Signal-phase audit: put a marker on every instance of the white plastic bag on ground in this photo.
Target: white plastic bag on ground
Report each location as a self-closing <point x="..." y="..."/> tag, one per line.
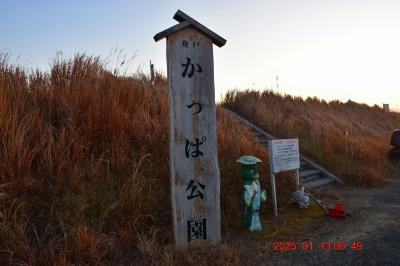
<point x="301" y="198"/>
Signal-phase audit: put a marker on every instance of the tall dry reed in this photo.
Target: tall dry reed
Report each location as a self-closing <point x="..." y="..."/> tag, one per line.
<point x="350" y="139"/>
<point x="84" y="173"/>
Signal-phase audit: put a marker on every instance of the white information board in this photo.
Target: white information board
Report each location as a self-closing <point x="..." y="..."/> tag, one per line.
<point x="285" y="155"/>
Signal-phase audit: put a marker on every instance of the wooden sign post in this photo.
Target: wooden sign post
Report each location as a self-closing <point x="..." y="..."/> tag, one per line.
<point x="195" y="178"/>
<point x="284" y="155"/>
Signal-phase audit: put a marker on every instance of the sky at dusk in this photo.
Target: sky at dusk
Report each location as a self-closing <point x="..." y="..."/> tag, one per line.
<point x="330" y="49"/>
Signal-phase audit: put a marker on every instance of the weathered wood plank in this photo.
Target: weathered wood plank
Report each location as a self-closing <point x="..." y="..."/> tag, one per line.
<point x="192" y="139"/>
<point x="185" y="20"/>
<point x="218" y="40"/>
<point x="175" y="28"/>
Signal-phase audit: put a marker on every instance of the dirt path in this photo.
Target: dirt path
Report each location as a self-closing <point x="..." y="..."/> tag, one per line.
<point x="375" y="222"/>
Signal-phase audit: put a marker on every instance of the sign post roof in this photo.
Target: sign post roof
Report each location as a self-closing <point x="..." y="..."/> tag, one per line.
<point x="186" y="21"/>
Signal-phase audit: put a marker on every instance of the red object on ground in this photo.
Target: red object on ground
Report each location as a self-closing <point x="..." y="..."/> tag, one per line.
<point x="337" y="211"/>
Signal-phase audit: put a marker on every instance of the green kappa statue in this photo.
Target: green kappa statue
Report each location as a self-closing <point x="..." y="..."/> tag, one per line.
<point x="252" y="193"/>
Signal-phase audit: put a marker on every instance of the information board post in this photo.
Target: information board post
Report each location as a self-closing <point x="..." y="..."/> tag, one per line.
<point x="271" y="167"/>
<point x="298" y="178"/>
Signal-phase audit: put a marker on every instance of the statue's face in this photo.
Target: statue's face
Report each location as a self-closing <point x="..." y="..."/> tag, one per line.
<point x="249" y="172"/>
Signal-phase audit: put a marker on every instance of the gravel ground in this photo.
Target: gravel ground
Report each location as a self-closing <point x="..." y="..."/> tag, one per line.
<point x="374" y="221"/>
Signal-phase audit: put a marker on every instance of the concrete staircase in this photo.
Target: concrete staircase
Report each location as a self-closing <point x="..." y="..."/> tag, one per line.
<point x="311" y="174"/>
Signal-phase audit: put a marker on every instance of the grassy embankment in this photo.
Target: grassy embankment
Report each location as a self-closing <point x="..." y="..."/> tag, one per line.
<point x="350" y="139"/>
<point x="84" y="173"/>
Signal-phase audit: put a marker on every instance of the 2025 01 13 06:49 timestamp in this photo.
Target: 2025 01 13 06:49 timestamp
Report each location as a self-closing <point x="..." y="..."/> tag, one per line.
<point x="309" y="246"/>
